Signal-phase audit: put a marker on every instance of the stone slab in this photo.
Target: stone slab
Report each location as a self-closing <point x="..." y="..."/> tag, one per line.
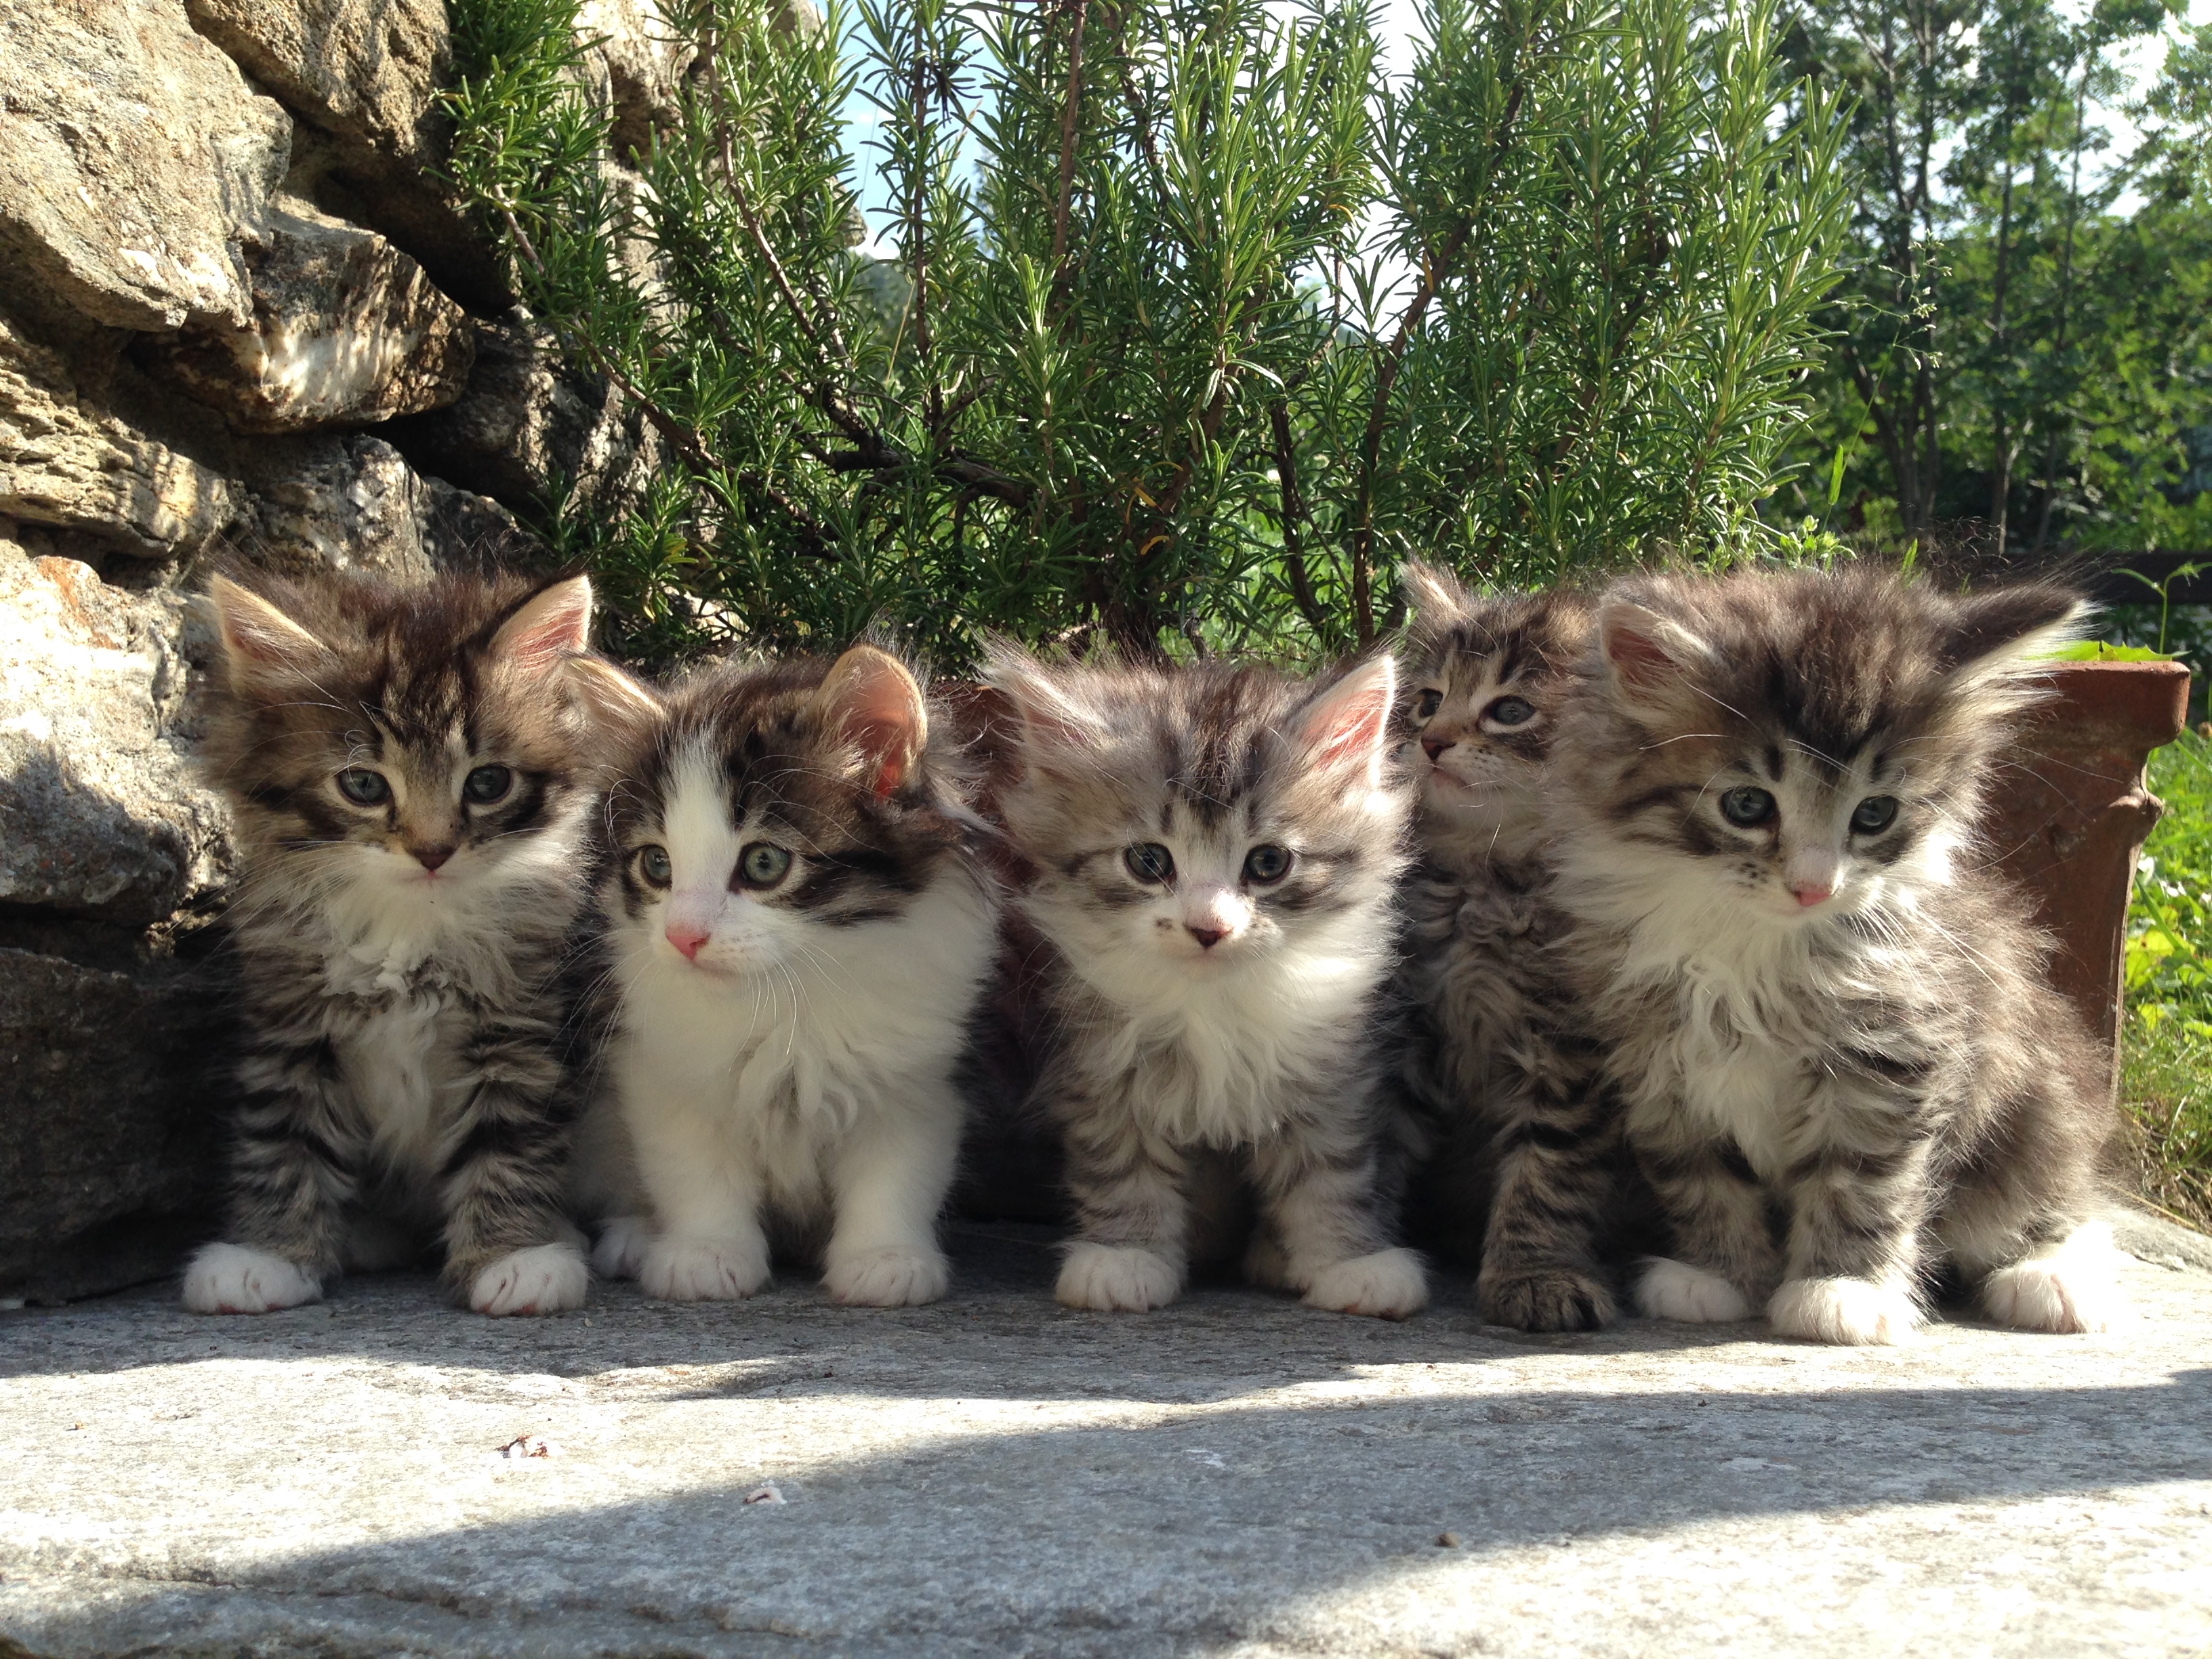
<point x="995" y="1475"/>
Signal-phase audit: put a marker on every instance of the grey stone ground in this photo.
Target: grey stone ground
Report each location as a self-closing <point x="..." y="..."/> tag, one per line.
<point x="998" y="1475"/>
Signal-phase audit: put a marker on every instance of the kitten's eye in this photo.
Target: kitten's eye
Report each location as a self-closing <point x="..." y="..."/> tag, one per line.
<point x="1875" y="814"/>
<point x="1150" y="862"/>
<point x="1426" y="707"/>
<point x="764" y="864"/>
<point x="1747" y="807"/>
<point x="1267" y="863"/>
<point x="1510" y="711"/>
<point x="653" y="868"/>
<point x="364" y="787"/>
<point x="487" y="784"/>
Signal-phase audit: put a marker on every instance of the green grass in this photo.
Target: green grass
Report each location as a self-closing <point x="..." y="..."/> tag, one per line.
<point x="2166" y="1075"/>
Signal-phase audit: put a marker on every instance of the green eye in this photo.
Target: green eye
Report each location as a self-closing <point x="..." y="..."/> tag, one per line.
<point x="1150" y="862"/>
<point x="764" y="864"/>
<point x="1267" y="863"/>
<point x="653" y="866"/>
<point x="364" y="787"/>
<point x="1746" y="808"/>
<point x="1427" y="704"/>
<point x="487" y="784"/>
<point x="1875" y="814"/>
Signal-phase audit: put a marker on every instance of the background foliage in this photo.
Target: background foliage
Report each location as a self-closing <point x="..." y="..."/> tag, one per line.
<point x="2168" y="1036"/>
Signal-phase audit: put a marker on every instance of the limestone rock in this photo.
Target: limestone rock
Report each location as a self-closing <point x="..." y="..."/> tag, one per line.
<point x="133" y="154"/>
<point x="636" y="63"/>
<point x="100" y="812"/>
<point x="346" y="330"/>
<point x="332" y="503"/>
<point x="65" y="464"/>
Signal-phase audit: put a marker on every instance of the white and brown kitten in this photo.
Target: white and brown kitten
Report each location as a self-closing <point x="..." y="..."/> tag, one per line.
<point x="1838" y="1063"/>
<point x="1513" y="1154"/>
<point x="1214" y="852"/>
<point x="791" y="933"/>
<point x="407" y="770"/>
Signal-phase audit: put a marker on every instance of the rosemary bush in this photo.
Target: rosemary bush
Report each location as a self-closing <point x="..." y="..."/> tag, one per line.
<point x="1194" y="324"/>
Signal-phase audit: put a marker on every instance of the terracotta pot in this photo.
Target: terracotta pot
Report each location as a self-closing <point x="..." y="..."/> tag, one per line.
<point x="2070" y="812"/>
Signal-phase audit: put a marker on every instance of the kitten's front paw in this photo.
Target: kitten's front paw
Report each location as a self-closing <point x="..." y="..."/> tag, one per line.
<point x="1856" y="1311"/>
<point x="1117" y="1277"/>
<point x="1387" y="1284"/>
<point x="694" y="1270"/>
<point x="229" y="1279"/>
<point x="888" y="1279"/>
<point x="2071" y="1287"/>
<point x="1545" y="1299"/>
<point x="1675" y="1290"/>
<point x="620" y="1252"/>
<point x="545" y="1278"/>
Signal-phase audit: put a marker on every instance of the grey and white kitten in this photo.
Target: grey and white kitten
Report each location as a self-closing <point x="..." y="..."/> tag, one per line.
<point x="407" y="770"/>
<point x="1514" y="1153"/>
<point x="1839" y="1065"/>
<point x="791" y="933"/>
<point x="1214" y="852"/>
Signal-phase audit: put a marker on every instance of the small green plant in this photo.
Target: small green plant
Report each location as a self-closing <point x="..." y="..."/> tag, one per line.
<point x="2166" y="1037"/>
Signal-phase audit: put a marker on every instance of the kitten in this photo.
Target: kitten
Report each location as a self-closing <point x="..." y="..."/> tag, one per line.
<point x="403" y="766"/>
<point x="1513" y="1151"/>
<point x="1214" y="851"/>
<point x="1840" y="1068"/>
<point x="793" y="930"/>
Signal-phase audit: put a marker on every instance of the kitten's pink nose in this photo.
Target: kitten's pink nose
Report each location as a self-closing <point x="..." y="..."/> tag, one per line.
<point x="1208" y="937"/>
<point x="1810" y="893"/>
<point x="687" y="940"/>
<point x="1436" y="746"/>
<point x="431" y="856"/>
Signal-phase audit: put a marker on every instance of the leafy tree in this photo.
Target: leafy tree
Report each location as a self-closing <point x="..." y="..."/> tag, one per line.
<point x="1193" y="325"/>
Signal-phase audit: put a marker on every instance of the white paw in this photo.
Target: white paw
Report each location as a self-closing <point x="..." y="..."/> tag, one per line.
<point x="888" y="1279"/>
<point x="1117" y="1277"/>
<point x="1857" y="1311"/>
<point x="229" y="1279"/>
<point x="2069" y="1287"/>
<point x="620" y="1252"/>
<point x="1675" y="1290"/>
<point x="545" y="1278"/>
<point x="695" y="1270"/>
<point x="1387" y="1284"/>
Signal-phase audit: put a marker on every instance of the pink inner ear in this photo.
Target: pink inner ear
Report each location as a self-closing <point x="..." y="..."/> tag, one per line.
<point x="1349" y="727"/>
<point x="554" y="626"/>
<point x="1639" y="657"/>
<point x="882" y="715"/>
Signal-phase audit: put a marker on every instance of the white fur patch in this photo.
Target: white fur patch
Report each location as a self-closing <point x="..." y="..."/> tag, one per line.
<point x="1387" y="1284"/>
<point x="699" y="1270"/>
<point x="1117" y="1278"/>
<point x="888" y="1279"/>
<point x="1854" y="1311"/>
<point x="545" y="1278"/>
<point x="2071" y="1286"/>
<point x="229" y="1279"/>
<point x="1675" y="1290"/>
<point x="620" y="1252"/>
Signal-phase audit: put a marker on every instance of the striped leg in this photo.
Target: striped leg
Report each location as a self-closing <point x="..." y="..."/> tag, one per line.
<point x="1724" y="1255"/>
<point x="1856" y="1206"/>
<point x="1318" y="1193"/>
<point x="1555" y="1183"/>
<point x="509" y="1248"/>
<point x="1131" y="1253"/>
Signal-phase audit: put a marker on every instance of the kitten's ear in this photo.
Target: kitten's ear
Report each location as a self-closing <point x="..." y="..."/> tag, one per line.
<point x="1436" y="596"/>
<point x="1644" y="650"/>
<point x="1049" y="720"/>
<point x="260" y="641"/>
<point x="872" y="701"/>
<point x="1993" y="633"/>
<point x="554" y="626"/>
<point x="1346" y="727"/>
<point x="621" y="707"/>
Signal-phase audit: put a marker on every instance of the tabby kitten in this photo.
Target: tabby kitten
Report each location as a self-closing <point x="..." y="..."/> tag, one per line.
<point x="405" y="769"/>
<point x="793" y="930"/>
<point x="1214" y="851"/>
<point x="1840" y="1067"/>
<point x="1514" y="1154"/>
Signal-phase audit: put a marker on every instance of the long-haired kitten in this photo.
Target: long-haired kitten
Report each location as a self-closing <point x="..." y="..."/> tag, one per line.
<point x="406" y="767"/>
<point x="1515" y="1155"/>
<point x="792" y="929"/>
<point x="1214" y="852"/>
<point x="1840" y="1068"/>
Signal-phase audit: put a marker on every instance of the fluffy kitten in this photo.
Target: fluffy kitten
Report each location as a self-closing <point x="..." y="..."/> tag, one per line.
<point x="1840" y="1067"/>
<point x="1514" y="1154"/>
<point x="1214" y="852"/>
<point x="793" y="932"/>
<point x="404" y="767"/>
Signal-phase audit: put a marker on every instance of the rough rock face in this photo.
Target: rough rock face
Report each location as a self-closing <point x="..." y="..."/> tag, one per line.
<point x="133" y="154"/>
<point x="328" y="503"/>
<point x="345" y="328"/>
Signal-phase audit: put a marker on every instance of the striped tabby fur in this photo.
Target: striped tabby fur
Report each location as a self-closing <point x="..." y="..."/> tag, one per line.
<point x="405" y="766"/>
